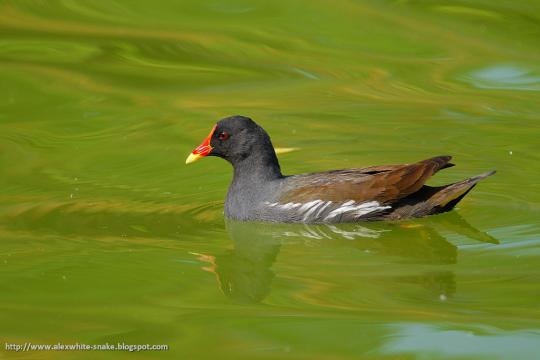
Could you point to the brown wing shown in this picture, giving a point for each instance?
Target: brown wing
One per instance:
(384, 184)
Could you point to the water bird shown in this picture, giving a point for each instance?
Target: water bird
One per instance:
(260, 192)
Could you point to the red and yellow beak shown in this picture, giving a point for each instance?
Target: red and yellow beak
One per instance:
(202, 150)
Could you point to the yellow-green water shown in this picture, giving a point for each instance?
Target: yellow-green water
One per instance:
(106, 236)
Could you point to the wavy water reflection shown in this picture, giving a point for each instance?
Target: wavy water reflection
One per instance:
(244, 272)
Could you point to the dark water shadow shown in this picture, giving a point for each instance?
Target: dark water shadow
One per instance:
(244, 273)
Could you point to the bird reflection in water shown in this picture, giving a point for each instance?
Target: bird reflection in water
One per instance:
(244, 272)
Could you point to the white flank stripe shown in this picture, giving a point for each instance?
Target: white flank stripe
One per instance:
(322, 209)
(317, 207)
(289, 206)
(358, 210)
(310, 204)
(313, 205)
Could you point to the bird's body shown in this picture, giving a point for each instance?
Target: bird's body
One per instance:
(259, 191)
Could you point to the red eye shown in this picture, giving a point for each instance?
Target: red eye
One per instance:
(223, 135)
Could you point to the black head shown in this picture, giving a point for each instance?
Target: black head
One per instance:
(235, 139)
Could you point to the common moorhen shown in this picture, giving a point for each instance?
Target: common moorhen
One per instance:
(259, 191)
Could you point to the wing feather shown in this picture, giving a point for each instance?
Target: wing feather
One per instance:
(385, 184)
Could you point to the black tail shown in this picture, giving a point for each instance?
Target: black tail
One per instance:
(434, 200)
(446, 198)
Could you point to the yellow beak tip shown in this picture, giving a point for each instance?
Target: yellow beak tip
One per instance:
(192, 158)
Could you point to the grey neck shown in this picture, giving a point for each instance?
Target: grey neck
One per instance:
(255, 178)
(256, 169)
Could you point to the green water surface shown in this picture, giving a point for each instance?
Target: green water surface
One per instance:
(106, 236)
